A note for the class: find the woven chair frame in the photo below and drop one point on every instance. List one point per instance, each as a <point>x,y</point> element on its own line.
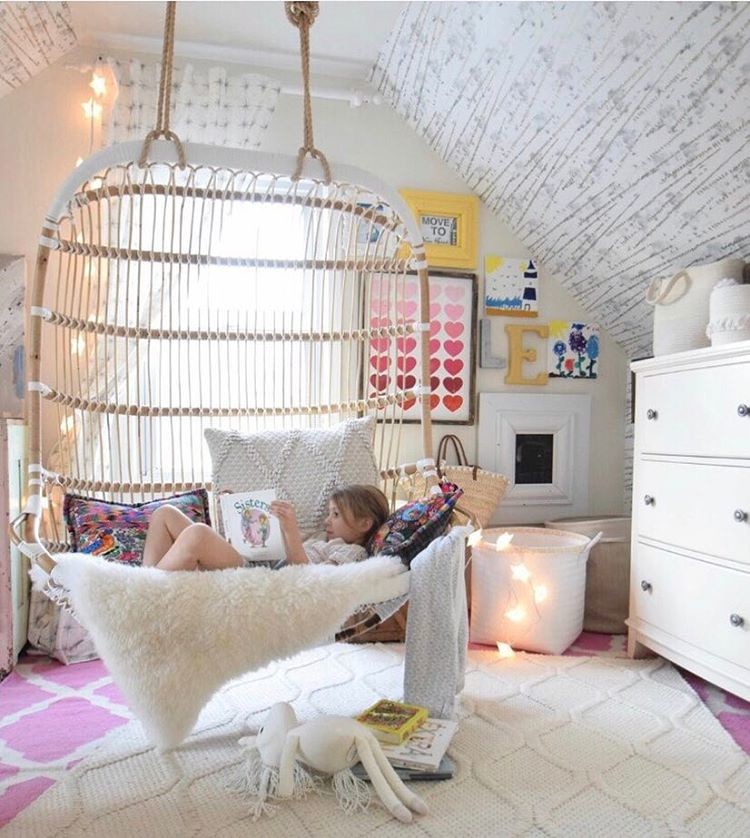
<point>147,322</point>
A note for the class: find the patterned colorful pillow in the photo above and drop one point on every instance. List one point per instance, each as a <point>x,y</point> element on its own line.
<point>413,526</point>
<point>117,531</point>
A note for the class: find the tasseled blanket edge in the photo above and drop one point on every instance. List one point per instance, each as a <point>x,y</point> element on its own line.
<point>258,783</point>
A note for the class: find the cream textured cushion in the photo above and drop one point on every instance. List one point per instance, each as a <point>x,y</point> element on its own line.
<point>304,466</point>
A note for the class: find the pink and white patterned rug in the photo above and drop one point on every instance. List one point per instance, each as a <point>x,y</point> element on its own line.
<point>52,716</point>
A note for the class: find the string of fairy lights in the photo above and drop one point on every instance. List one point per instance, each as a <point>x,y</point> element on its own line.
<point>103,93</point>
<point>524,595</point>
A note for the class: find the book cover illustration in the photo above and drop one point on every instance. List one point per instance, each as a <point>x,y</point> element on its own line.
<point>425,748</point>
<point>392,721</point>
<point>249,526</point>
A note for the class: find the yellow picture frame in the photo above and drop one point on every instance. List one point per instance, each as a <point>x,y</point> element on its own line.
<point>448,222</point>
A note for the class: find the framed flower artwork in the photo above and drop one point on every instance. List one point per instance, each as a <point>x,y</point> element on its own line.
<point>448,224</point>
<point>573,349</point>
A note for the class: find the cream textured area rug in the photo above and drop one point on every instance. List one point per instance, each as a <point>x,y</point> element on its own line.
<point>572,746</point>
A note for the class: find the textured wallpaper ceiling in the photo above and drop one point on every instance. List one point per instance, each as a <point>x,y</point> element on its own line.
<point>612,138</point>
<point>32,36</point>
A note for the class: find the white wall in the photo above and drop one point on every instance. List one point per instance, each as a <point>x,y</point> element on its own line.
<point>43,131</point>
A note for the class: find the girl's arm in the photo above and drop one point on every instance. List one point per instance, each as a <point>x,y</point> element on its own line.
<point>295,552</point>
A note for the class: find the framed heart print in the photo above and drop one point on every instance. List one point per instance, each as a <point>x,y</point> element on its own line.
<point>453,328</point>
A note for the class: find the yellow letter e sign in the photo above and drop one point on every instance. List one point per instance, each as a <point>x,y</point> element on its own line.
<point>517,354</point>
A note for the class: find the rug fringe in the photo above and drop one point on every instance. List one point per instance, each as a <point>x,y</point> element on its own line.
<point>258,783</point>
<point>353,794</point>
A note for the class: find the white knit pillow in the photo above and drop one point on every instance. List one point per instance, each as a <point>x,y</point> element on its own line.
<point>303,466</point>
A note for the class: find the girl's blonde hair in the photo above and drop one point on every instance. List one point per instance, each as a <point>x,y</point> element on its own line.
<point>358,501</point>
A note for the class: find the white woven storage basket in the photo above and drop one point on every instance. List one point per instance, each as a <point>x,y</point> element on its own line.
<point>681,305</point>
<point>548,606</point>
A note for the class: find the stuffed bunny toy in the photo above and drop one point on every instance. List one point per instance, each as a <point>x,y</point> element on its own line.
<point>283,752</point>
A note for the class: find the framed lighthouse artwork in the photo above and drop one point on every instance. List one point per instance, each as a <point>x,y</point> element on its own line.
<point>511,287</point>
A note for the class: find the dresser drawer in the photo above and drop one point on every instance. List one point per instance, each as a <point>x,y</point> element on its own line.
<point>696,506</point>
<point>700,603</point>
<point>695,412</point>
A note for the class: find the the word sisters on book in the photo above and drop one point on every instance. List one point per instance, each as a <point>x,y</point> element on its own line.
<point>249,526</point>
<point>424,749</point>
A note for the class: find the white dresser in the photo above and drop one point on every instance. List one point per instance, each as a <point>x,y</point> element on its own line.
<point>690,566</point>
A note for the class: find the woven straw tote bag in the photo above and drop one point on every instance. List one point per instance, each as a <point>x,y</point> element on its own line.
<point>483,490</point>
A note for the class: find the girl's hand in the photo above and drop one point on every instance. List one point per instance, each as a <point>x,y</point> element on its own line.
<point>285,512</point>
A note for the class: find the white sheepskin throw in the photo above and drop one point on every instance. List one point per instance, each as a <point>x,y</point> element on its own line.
<point>171,639</point>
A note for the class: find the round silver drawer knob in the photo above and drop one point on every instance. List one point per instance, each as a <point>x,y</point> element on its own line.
<point>647,586</point>
<point>736,620</point>
<point>648,500</point>
<point>740,515</point>
<point>652,414</point>
<point>743,410</point>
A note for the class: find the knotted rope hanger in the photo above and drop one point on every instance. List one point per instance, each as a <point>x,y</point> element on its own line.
<point>163,105</point>
<point>302,15</point>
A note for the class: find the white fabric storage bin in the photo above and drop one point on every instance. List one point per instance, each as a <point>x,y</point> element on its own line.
<point>729,308</point>
<point>607,570</point>
<point>681,305</point>
<point>529,594</point>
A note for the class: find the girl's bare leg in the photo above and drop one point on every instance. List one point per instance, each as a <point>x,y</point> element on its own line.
<point>198,547</point>
<point>165,525</point>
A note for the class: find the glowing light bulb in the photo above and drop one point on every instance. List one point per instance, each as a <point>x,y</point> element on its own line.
<point>98,84</point>
<point>540,593</point>
<point>505,650</point>
<point>91,109</point>
<point>516,614</point>
<point>503,541</point>
<point>474,538</point>
<point>520,572</point>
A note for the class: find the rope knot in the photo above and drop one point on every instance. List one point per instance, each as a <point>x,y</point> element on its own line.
<point>301,13</point>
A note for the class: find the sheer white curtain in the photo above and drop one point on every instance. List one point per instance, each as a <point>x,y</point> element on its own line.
<point>207,106</point>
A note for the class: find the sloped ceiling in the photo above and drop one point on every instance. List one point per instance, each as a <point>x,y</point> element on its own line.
<point>32,36</point>
<point>612,138</point>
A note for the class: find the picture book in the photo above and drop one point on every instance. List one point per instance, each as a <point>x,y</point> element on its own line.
<point>443,772</point>
<point>392,721</point>
<point>249,526</point>
<point>425,748</point>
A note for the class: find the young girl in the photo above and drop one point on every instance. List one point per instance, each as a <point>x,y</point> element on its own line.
<point>355,513</point>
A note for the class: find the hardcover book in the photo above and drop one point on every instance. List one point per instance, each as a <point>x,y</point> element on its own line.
<point>425,748</point>
<point>249,526</point>
<point>443,772</point>
<point>392,721</point>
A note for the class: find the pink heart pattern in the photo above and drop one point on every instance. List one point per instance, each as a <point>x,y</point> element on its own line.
<point>406,345</point>
<point>407,309</point>
<point>446,338</point>
<point>453,347</point>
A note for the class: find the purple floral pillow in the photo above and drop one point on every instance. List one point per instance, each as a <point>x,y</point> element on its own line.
<point>117,531</point>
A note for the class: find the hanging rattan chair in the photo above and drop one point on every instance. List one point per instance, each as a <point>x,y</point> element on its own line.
<point>146,326</point>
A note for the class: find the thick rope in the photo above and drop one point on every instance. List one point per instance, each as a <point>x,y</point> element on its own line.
<point>302,15</point>
<point>163,105</point>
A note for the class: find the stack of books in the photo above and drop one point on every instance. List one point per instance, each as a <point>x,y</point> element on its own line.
<point>416,749</point>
